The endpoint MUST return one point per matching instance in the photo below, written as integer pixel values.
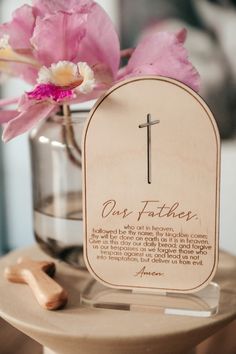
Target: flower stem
(66, 110)
(69, 136)
(67, 116)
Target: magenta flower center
(45, 91)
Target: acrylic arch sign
(151, 162)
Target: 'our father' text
(148, 208)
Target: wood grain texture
(151, 163)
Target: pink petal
(27, 119)
(8, 101)
(80, 98)
(57, 37)
(24, 71)
(101, 43)
(20, 29)
(50, 6)
(102, 74)
(6, 116)
(162, 54)
(25, 103)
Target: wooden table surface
(78, 329)
(14, 342)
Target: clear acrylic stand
(203, 303)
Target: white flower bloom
(63, 73)
(88, 78)
(44, 75)
(4, 41)
(68, 74)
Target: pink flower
(45, 91)
(162, 54)
(51, 31)
(70, 52)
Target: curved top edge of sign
(157, 78)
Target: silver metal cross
(148, 125)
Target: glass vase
(55, 147)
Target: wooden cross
(49, 294)
(148, 125)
